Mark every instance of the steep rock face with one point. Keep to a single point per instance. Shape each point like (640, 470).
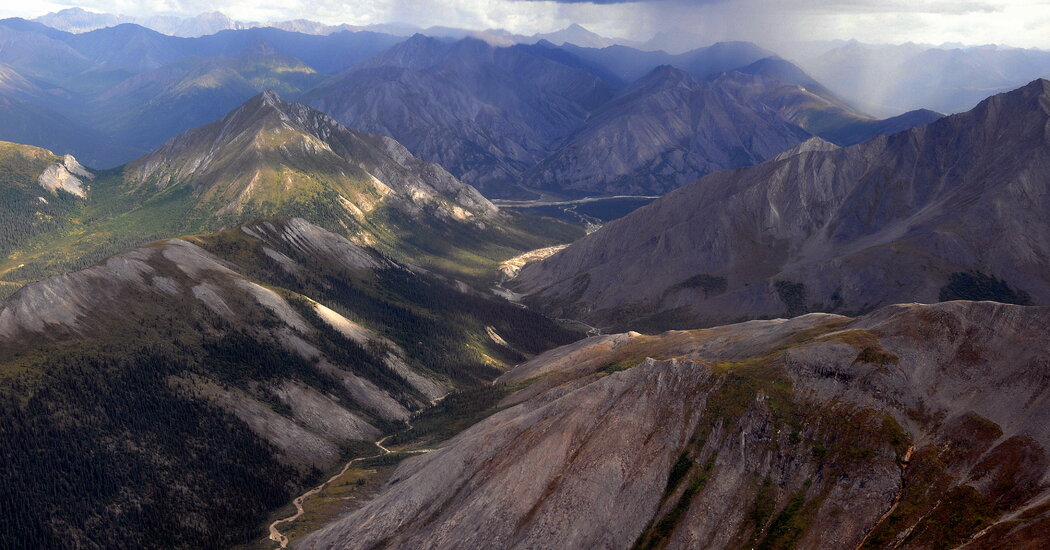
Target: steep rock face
(485, 113)
(663, 132)
(953, 209)
(817, 432)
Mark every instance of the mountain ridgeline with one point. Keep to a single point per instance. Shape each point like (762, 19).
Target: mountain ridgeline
(949, 210)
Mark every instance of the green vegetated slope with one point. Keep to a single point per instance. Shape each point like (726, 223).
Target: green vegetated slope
(272, 158)
(26, 206)
(175, 394)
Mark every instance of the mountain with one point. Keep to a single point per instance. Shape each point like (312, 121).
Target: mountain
(859, 131)
(112, 94)
(891, 79)
(31, 114)
(176, 394)
(486, 114)
(37, 50)
(38, 54)
(948, 210)
(915, 426)
(198, 25)
(253, 157)
(78, 20)
(268, 158)
(660, 133)
(574, 34)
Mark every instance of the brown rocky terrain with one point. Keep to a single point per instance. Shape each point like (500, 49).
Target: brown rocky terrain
(915, 426)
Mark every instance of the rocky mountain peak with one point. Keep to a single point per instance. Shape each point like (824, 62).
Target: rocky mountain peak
(1032, 98)
(269, 152)
(668, 74)
(271, 99)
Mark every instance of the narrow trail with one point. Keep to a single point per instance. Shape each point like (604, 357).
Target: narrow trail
(280, 538)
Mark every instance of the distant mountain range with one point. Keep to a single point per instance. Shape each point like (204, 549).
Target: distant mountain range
(79, 20)
(502, 118)
(561, 119)
(486, 113)
(660, 133)
(263, 303)
(949, 210)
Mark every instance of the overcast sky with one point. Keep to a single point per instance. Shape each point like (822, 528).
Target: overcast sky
(1012, 22)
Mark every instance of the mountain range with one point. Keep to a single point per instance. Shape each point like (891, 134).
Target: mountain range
(491, 115)
(663, 131)
(79, 20)
(942, 211)
(548, 118)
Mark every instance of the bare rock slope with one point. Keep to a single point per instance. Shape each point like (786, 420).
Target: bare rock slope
(913, 427)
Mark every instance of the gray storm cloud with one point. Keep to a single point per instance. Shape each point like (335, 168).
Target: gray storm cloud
(769, 22)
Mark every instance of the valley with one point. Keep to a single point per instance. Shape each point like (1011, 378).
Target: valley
(319, 284)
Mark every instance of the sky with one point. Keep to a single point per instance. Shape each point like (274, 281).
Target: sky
(1024, 23)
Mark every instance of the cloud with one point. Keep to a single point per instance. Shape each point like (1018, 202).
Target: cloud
(768, 22)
